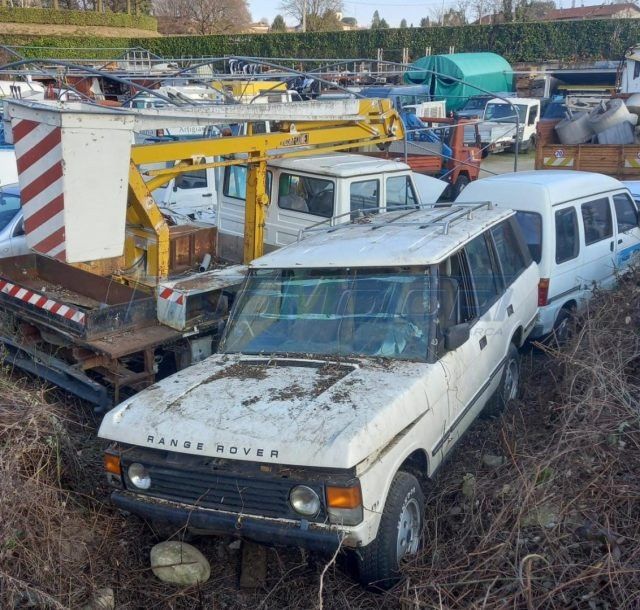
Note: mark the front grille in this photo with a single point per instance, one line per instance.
(264, 496)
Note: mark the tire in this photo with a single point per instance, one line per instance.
(398, 534)
(563, 328)
(509, 387)
(461, 183)
(531, 147)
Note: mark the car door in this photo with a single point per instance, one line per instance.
(598, 261)
(473, 368)
(627, 231)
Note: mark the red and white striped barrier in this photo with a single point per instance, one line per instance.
(39, 156)
(41, 302)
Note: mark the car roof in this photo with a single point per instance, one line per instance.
(343, 165)
(547, 187)
(515, 100)
(390, 239)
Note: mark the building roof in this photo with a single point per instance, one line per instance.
(343, 165)
(546, 187)
(590, 12)
(391, 239)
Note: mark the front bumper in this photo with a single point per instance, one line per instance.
(266, 531)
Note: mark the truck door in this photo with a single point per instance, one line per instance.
(598, 268)
(627, 231)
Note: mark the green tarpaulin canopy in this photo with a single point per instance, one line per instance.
(487, 70)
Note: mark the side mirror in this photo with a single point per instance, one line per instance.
(457, 335)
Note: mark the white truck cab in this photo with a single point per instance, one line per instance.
(581, 228)
(352, 362)
(498, 129)
(308, 190)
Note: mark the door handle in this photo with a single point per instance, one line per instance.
(611, 246)
(483, 342)
(620, 241)
(510, 311)
(208, 195)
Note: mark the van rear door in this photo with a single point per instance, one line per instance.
(627, 231)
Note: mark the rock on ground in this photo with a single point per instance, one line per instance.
(179, 563)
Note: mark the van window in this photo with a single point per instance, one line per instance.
(531, 227)
(483, 272)
(235, 182)
(400, 192)
(596, 217)
(196, 179)
(306, 194)
(510, 255)
(626, 213)
(567, 238)
(364, 195)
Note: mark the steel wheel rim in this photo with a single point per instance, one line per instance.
(511, 381)
(408, 530)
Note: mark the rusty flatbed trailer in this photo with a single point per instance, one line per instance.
(618, 160)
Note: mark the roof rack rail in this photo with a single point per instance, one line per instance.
(376, 220)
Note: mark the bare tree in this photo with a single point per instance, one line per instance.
(316, 9)
(205, 16)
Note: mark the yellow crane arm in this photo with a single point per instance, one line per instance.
(374, 123)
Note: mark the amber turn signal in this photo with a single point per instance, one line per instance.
(344, 497)
(112, 464)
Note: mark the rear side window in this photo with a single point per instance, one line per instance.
(596, 217)
(510, 255)
(485, 280)
(626, 213)
(531, 227)
(567, 238)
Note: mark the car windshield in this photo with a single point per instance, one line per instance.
(475, 103)
(333, 312)
(504, 113)
(9, 207)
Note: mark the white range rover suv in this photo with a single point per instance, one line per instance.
(351, 363)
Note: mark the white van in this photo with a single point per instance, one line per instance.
(581, 228)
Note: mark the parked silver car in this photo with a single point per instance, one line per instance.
(12, 237)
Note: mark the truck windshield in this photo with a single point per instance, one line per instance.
(504, 113)
(334, 312)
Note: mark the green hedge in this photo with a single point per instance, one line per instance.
(517, 42)
(66, 17)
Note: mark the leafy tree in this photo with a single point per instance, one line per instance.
(278, 24)
(425, 23)
(383, 24)
(327, 22)
(403, 23)
(375, 20)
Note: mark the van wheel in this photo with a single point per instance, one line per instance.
(398, 535)
(531, 145)
(509, 387)
(563, 328)
(461, 183)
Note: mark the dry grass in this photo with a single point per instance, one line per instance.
(557, 525)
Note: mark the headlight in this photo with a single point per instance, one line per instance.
(139, 476)
(304, 500)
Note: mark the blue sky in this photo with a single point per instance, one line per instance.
(391, 10)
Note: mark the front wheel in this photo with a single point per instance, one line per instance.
(461, 183)
(398, 535)
(509, 387)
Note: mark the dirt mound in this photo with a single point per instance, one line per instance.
(536, 510)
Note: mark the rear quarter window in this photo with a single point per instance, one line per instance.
(511, 256)
(567, 236)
